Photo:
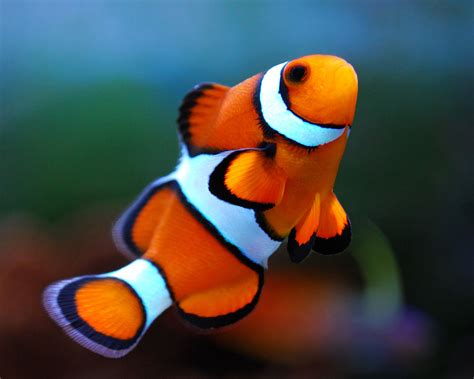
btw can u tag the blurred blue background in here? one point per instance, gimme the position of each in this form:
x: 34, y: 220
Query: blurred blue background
x: 89, y: 94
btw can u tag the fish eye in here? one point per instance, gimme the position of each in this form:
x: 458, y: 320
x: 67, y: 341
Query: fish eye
x: 297, y: 74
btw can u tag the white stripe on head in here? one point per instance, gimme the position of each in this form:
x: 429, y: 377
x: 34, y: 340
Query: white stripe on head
x: 278, y: 117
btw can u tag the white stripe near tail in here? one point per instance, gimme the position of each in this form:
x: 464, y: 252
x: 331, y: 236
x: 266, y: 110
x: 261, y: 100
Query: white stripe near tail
x: 109, y: 313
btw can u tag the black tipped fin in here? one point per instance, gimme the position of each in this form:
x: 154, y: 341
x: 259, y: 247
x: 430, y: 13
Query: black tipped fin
x: 336, y: 244
x: 197, y: 113
x: 223, y: 306
x: 296, y: 251
x: 303, y: 235
x: 62, y: 304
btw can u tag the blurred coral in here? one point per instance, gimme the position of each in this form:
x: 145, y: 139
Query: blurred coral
x: 31, y: 257
x: 311, y: 317
x: 319, y: 317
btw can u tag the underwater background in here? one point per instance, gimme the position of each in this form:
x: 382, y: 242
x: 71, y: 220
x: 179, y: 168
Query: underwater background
x: 89, y: 92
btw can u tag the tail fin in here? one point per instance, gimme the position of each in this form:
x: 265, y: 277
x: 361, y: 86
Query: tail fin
x: 109, y: 313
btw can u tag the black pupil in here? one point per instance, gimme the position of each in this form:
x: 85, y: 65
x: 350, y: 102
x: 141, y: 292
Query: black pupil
x: 297, y: 73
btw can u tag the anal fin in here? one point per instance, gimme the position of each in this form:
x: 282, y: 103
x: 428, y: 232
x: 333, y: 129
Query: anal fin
x: 222, y: 305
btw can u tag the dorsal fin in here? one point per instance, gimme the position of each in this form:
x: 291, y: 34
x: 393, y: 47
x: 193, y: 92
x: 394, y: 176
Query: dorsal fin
x: 198, y: 112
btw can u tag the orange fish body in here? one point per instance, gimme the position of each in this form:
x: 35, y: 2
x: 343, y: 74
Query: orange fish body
x: 258, y: 165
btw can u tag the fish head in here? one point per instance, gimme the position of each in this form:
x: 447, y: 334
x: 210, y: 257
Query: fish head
x: 321, y: 89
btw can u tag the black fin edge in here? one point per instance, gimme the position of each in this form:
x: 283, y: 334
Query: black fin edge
x: 296, y: 251
x: 62, y: 308
x: 218, y: 188
x: 122, y: 230
x: 188, y: 103
x: 220, y: 321
x: 336, y: 244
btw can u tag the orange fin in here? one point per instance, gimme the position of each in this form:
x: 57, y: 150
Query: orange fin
x: 134, y: 229
x: 303, y: 235
x: 104, y: 315
x: 223, y: 305
x: 334, y: 232
x: 198, y: 113
x: 249, y: 178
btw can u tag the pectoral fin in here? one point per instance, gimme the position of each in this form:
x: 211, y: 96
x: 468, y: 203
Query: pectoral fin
x: 334, y: 232
x: 249, y: 178
x: 303, y: 235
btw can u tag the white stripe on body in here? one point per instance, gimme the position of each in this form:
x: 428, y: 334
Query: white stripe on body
x: 285, y: 122
x: 236, y: 224
x: 145, y: 279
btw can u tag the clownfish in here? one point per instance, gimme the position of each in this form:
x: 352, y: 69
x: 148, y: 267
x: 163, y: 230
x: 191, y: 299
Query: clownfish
x: 258, y: 165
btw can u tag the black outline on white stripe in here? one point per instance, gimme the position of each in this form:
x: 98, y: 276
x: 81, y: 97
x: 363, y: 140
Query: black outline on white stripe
x: 229, y: 318
x: 123, y: 228
x: 268, y: 131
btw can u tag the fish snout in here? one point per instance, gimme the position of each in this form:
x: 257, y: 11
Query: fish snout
x: 344, y: 92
